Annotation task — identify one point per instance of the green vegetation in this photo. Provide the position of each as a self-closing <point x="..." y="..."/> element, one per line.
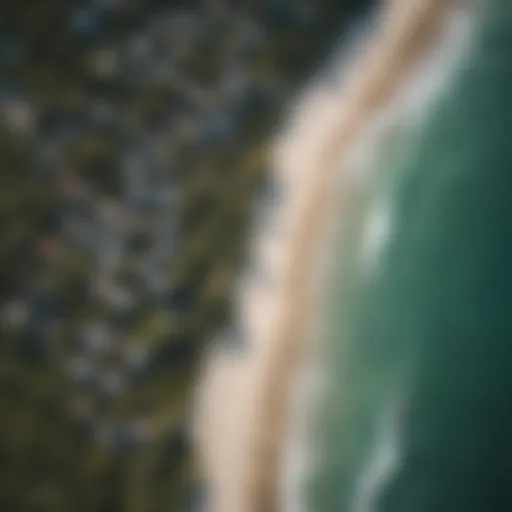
<point x="128" y="163"/>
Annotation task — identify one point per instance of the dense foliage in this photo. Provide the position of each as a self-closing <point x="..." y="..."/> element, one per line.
<point x="132" y="138"/>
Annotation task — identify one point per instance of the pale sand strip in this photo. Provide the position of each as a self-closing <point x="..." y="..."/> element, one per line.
<point x="243" y="400"/>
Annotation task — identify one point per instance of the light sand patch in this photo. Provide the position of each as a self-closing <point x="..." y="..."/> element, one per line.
<point x="244" y="401"/>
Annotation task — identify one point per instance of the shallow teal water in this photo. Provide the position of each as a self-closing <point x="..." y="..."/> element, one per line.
<point x="425" y="339"/>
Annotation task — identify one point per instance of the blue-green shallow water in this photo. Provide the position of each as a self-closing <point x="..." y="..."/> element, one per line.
<point x="428" y="331"/>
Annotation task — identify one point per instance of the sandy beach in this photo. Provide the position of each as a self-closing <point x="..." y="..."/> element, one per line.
<point x="243" y="427"/>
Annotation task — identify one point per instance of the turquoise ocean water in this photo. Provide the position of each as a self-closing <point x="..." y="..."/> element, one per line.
<point x="418" y="417"/>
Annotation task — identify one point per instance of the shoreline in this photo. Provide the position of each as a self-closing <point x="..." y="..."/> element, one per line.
<point x="244" y="407"/>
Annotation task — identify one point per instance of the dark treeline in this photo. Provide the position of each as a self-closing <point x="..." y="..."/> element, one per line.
<point x="132" y="135"/>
